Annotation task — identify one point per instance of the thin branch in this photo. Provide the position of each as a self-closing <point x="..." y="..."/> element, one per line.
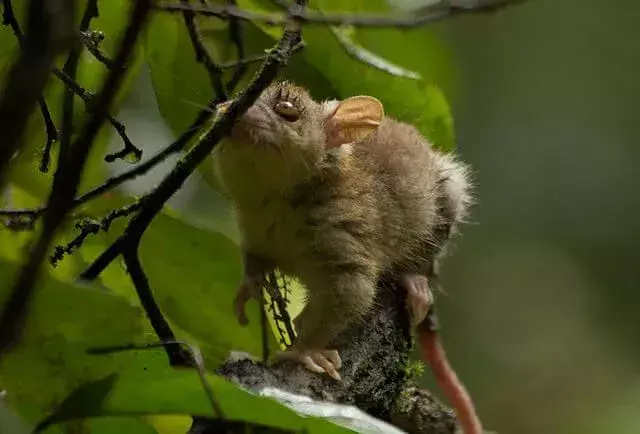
<point x="91" y="227"/>
<point x="202" y="55"/>
<point x="279" y="306"/>
<point x="256" y="59"/>
<point x="430" y="14"/>
<point x="235" y="34"/>
<point x="52" y="135"/>
<point x="87" y="227"/>
<point x="64" y="188"/>
<point x="139" y="170"/>
<point x="91" y="40"/>
<point x="177" y="355"/>
<point x="9" y="19"/>
<point x="26" y="79"/>
<point x="127" y="244"/>
<point x="130" y="152"/>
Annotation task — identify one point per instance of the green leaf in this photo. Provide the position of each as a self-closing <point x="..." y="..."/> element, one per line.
<point x="64" y="321"/>
<point x="194" y="275"/>
<point x="90" y="75"/>
<point x="419" y="102"/>
<point x="179" y="391"/>
<point x="182" y="85"/>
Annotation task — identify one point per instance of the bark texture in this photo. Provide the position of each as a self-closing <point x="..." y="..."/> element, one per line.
<point x="375" y="354"/>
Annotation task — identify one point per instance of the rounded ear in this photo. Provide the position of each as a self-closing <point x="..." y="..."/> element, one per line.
<point x="353" y="120"/>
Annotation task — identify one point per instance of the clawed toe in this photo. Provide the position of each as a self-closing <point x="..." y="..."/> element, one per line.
<point x="319" y="361"/>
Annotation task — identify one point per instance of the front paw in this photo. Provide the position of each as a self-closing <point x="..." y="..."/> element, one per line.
<point x="250" y="287"/>
<point x="319" y="361"/>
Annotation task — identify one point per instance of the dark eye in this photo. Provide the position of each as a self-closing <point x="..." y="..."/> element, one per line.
<point x="287" y="111"/>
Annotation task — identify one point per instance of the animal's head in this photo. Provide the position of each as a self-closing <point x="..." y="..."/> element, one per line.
<point x="286" y="134"/>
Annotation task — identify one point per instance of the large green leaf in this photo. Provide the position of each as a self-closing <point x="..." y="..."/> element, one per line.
<point x="50" y="372"/>
<point x="193" y="274"/>
<point x="63" y="322"/>
<point x="419" y="102"/>
<point x="173" y="391"/>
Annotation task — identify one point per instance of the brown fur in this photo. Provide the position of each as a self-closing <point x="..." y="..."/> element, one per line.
<point x="340" y="219"/>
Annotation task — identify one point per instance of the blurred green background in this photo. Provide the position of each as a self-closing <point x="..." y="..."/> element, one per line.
<point x="541" y="291"/>
<point x="541" y="317"/>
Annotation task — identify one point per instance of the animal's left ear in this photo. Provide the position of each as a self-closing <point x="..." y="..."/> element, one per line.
<point x="353" y="120"/>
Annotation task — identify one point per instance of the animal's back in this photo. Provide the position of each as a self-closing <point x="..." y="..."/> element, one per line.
<point x="408" y="179"/>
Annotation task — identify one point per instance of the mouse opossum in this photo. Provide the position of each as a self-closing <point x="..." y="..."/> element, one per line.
<point x="339" y="195"/>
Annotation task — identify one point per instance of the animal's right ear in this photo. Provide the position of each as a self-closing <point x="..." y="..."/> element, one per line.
<point x="353" y="120"/>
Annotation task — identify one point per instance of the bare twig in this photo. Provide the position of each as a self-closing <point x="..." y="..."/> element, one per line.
<point x="128" y="243"/>
<point x="64" y="187"/>
<point x="177" y="355"/>
<point x="91" y="227"/>
<point x="139" y="170"/>
<point x="87" y="227"/>
<point x="256" y="59"/>
<point x="129" y="152"/>
<point x="202" y="55"/>
<point x="52" y="135"/>
<point x="279" y="307"/>
<point x="46" y="35"/>
<point x="91" y="40"/>
<point x="429" y="15"/>
<point x="235" y="34"/>
<point x="9" y="19"/>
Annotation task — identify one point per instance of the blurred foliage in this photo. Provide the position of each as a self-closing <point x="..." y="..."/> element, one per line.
<point x="193" y="272"/>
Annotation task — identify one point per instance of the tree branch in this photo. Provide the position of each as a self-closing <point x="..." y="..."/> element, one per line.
<point x="64" y="187"/>
<point x="235" y="34"/>
<point x="91" y="227"/>
<point x="376" y="373"/>
<point x="139" y="170"/>
<point x="176" y="353"/>
<point x="46" y="35"/>
<point x="91" y="41"/>
<point x="129" y="149"/>
<point x="155" y="200"/>
<point x="202" y="55"/>
<point x="430" y="14"/>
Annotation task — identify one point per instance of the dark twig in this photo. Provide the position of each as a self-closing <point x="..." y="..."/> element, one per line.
<point x="235" y="34"/>
<point x="87" y="227"/>
<point x="64" y="187"/>
<point x="129" y="152"/>
<point x="256" y="59"/>
<point x="202" y="55"/>
<point x="128" y="243"/>
<point x="9" y="19"/>
<point x="177" y="355"/>
<point x="52" y="136"/>
<point x="279" y="307"/>
<point x="46" y="35"/>
<point x="264" y="330"/>
<point x="91" y="40"/>
<point x="139" y="170"/>
<point x="91" y="227"/>
<point x="430" y="14"/>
